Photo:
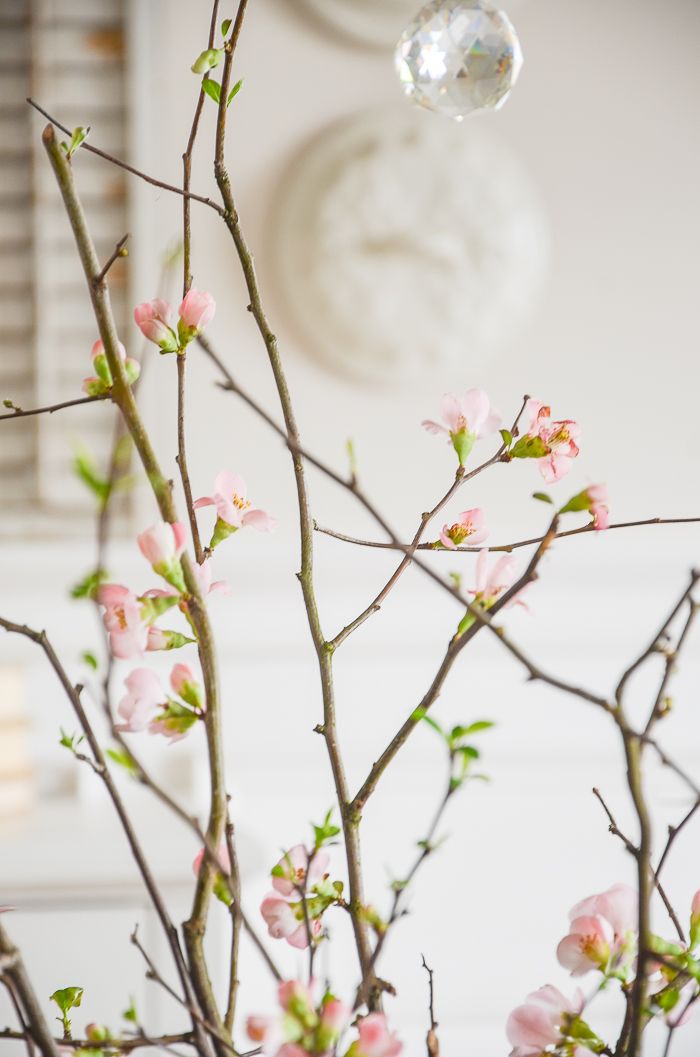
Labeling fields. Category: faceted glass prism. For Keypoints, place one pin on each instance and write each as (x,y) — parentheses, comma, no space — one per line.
(459,56)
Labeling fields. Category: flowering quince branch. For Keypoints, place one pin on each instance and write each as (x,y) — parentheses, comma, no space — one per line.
(506,547)
(18,412)
(608,933)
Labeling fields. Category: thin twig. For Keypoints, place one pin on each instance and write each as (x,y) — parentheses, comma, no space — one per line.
(634,851)
(128,168)
(119,251)
(49,410)
(431,1040)
(585,530)
(181,458)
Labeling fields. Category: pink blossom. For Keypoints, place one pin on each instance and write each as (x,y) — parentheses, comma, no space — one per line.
(376,1040)
(285,920)
(102,383)
(292,872)
(558,437)
(128,632)
(196,311)
(695,920)
(203,576)
(491,584)
(602,928)
(142,702)
(153,319)
(598,498)
(223,857)
(234,510)
(537,1024)
(469,526)
(187,686)
(468,418)
(334,1016)
(162,543)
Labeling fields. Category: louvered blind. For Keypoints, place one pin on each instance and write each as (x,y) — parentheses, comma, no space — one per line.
(69,55)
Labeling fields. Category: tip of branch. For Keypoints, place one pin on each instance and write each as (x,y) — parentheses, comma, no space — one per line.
(48,136)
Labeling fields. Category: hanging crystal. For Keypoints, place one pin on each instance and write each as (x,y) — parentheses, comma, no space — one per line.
(458,56)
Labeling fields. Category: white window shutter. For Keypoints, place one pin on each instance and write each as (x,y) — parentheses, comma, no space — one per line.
(71,58)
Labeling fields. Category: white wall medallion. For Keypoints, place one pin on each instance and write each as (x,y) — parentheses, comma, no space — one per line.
(403,242)
(375,22)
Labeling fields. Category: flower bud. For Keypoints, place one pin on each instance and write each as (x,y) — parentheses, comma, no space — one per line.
(196,311)
(185,684)
(152,318)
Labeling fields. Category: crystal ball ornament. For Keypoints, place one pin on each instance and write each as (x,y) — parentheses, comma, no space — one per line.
(458,57)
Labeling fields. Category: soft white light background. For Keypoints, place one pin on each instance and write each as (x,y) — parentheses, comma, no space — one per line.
(604,118)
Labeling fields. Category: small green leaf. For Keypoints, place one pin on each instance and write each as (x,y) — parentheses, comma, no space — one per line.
(90,659)
(10,405)
(84,467)
(130,1013)
(473,728)
(122,758)
(529,448)
(67,998)
(225,26)
(89,585)
(212,89)
(79,136)
(543,497)
(234,91)
(507,437)
(70,741)
(581,501)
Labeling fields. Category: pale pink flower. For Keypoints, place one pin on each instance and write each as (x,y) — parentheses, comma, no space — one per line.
(203,576)
(695,920)
(296,994)
(223,857)
(187,686)
(296,873)
(537,1024)
(162,543)
(334,1016)
(468,418)
(598,497)
(233,507)
(128,632)
(602,929)
(559,438)
(376,1040)
(144,699)
(285,920)
(197,310)
(469,527)
(153,319)
(494,582)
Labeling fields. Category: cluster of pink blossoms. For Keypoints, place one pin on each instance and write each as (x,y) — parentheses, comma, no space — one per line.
(311,1027)
(602,936)
(302,893)
(154,320)
(552,443)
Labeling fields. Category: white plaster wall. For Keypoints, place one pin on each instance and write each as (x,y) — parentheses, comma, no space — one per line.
(605,119)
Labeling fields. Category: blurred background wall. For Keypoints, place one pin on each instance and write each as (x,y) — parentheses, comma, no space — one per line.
(572,213)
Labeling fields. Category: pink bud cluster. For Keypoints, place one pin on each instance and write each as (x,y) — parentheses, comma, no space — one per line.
(295,880)
(153,318)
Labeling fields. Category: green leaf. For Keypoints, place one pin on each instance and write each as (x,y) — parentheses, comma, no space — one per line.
(88,586)
(130,1014)
(529,448)
(507,437)
(122,758)
(212,89)
(84,467)
(79,136)
(90,659)
(234,91)
(543,497)
(10,405)
(225,26)
(325,833)
(67,998)
(70,741)
(473,728)
(420,714)
(581,501)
